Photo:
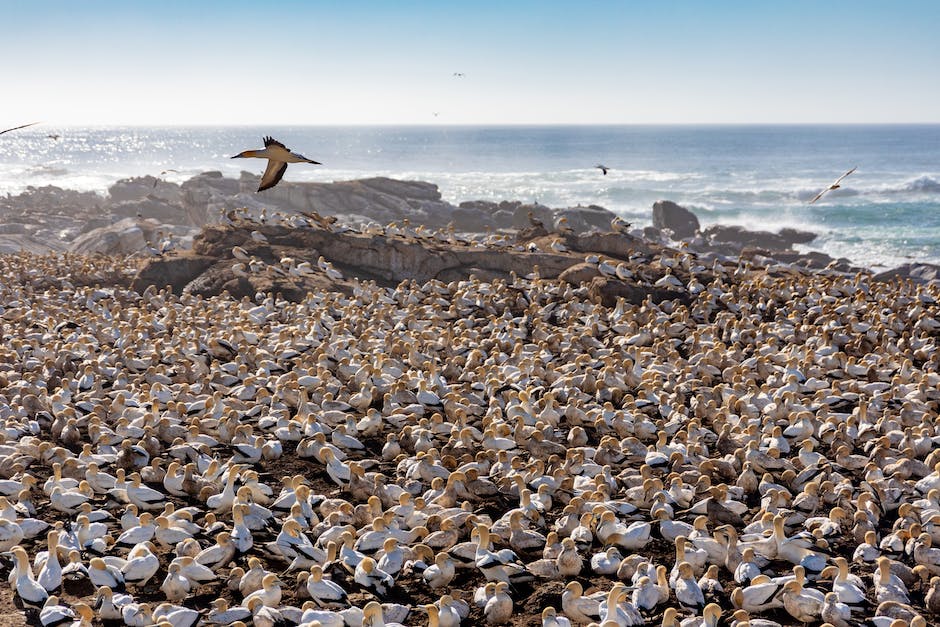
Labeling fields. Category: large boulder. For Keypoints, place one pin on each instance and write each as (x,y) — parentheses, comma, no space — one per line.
(917,272)
(679,220)
(14,243)
(796,236)
(740,237)
(124,237)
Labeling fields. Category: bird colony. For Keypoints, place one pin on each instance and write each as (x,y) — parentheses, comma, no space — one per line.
(505,452)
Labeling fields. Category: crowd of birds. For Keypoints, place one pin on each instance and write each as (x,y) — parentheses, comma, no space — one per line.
(443,453)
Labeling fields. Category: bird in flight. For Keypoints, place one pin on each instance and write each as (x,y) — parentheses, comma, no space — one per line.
(54,136)
(835,185)
(458,74)
(18,127)
(278,156)
(602,168)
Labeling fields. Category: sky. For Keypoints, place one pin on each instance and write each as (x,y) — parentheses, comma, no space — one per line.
(317,62)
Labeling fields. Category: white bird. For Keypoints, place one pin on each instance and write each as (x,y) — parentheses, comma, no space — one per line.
(28,589)
(142,564)
(175,615)
(369,576)
(270,592)
(578,608)
(108,605)
(278,157)
(52,613)
(50,575)
(324,592)
(175,586)
(441,572)
(102,574)
(222,614)
(498,608)
(688,592)
(835,185)
(550,618)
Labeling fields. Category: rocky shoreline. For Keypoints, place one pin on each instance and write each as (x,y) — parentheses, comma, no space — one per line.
(148,217)
(634,370)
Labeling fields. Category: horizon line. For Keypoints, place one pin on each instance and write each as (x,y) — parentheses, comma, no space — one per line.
(469,124)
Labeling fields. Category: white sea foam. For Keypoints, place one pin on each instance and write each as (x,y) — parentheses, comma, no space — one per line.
(758,178)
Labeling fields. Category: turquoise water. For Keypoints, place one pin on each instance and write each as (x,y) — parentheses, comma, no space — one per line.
(887,213)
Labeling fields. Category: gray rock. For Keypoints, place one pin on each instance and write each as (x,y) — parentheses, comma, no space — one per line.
(11,243)
(669,215)
(124,237)
(739,237)
(796,236)
(13,228)
(917,272)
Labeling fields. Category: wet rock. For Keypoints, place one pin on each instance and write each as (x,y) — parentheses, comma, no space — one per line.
(796,236)
(668,215)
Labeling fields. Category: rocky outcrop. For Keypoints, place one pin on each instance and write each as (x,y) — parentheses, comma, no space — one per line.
(140,214)
(735,238)
(89,222)
(296,261)
(129,236)
(10,244)
(917,272)
(668,215)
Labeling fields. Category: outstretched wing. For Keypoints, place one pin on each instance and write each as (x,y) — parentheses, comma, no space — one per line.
(270,141)
(839,180)
(18,127)
(818,196)
(272,174)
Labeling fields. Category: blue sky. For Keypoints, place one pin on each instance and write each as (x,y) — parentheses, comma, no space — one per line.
(535,62)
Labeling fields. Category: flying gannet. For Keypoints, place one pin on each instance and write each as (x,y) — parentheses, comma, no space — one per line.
(835,185)
(278,157)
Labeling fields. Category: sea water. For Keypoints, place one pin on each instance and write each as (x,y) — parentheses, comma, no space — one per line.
(761,177)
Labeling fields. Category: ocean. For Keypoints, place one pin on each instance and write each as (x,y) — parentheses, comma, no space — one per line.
(761,177)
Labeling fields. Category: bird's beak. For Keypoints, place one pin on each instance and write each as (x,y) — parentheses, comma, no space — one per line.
(236,156)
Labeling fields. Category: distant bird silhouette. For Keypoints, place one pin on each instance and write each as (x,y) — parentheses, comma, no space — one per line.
(278,156)
(459,74)
(835,185)
(54,136)
(158,179)
(18,127)
(602,168)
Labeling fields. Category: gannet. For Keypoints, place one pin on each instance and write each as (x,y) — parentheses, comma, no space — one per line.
(278,157)
(835,185)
